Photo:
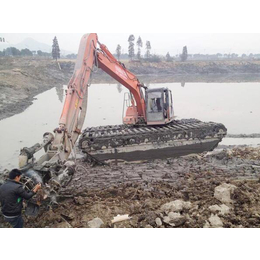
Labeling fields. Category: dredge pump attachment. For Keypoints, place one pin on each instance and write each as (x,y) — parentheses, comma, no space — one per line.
(51,175)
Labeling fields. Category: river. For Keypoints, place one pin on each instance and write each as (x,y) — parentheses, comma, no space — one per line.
(236,105)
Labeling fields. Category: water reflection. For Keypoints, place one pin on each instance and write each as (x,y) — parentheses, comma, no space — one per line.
(119,88)
(235,105)
(60,93)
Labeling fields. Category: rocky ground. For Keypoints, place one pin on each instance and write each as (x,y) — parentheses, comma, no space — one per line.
(21,79)
(219,189)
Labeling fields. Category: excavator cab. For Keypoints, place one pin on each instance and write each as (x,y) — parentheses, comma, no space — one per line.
(159,106)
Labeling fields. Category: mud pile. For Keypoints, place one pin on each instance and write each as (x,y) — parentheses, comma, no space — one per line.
(220,189)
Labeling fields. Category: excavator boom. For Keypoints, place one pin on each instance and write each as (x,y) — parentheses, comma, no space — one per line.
(75,106)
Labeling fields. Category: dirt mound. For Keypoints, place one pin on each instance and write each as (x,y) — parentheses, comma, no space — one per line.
(145,206)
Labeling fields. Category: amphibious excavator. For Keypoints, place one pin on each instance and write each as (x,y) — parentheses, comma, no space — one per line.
(149,128)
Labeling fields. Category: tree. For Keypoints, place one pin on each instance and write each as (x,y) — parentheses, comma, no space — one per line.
(244,56)
(2,39)
(154,58)
(140,45)
(184,54)
(234,56)
(55,49)
(168,57)
(39,53)
(43,54)
(71,56)
(118,51)
(251,56)
(26,52)
(219,55)
(131,48)
(12,51)
(148,49)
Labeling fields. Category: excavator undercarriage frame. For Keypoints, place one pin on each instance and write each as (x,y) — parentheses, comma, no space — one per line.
(133,143)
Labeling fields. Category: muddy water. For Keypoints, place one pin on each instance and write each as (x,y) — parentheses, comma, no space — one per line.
(236,105)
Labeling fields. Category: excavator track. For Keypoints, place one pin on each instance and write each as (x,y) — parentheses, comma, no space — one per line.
(131,143)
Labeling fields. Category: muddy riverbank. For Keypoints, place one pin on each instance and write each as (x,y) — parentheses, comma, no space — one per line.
(219,189)
(21,79)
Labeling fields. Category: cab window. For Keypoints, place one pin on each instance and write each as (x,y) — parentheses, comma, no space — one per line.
(155,103)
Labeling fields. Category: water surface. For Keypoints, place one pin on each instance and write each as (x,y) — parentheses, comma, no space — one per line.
(236,105)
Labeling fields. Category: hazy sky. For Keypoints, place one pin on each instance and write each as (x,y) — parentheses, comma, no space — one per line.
(161,42)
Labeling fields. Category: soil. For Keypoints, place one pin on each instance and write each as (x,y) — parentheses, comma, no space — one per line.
(141,189)
(21,79)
